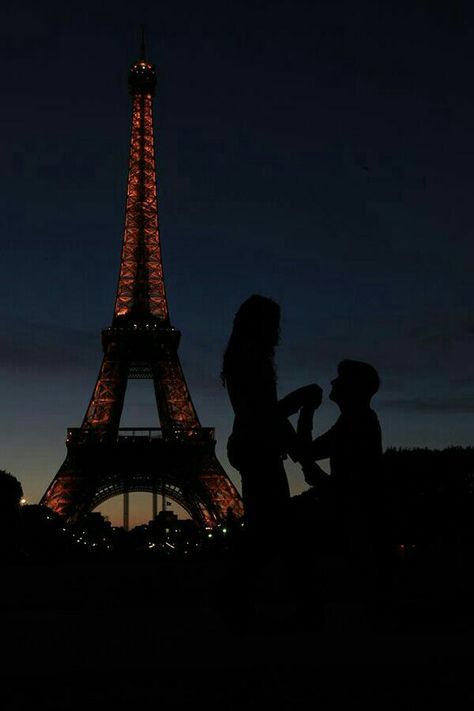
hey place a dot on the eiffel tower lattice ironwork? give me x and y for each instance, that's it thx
(178, 459)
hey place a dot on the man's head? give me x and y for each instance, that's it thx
(355, 384)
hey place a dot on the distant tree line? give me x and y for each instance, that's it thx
(11, 494)
(430, 494)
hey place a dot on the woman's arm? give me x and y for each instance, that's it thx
(314, 475)
(308, 396)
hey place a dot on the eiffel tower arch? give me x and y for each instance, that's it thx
(176, 460)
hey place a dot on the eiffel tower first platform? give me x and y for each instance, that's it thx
(177, 460)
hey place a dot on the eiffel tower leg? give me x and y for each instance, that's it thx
(105, 407)
(175, 407)
(71, 490)
(220, 490)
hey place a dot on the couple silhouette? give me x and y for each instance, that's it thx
(337, 508)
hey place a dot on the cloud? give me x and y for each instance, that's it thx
(26, 345)
(445, 328)
(461, 404)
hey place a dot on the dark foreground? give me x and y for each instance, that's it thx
(113, 634)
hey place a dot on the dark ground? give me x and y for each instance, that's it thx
(114, 634)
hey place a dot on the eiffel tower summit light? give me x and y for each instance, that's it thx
(176, 460)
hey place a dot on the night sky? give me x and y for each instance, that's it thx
(320, 153)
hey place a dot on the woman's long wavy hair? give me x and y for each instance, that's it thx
(256, 330)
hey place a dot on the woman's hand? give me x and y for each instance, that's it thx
(313, 474)
(309, 396)
(312, 395)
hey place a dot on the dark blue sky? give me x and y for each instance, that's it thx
(320, 153)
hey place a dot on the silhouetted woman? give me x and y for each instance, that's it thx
(262, 435)
(261, 438)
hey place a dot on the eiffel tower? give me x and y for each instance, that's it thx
(176, 460)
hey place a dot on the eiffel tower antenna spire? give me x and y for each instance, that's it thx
(176, 460)
(142, 43)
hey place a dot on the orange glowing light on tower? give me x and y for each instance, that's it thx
(141, 290)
